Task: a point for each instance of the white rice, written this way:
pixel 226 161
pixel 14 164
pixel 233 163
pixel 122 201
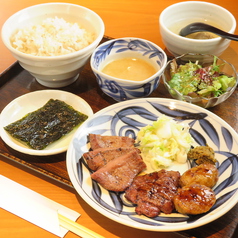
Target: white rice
pixel 53 37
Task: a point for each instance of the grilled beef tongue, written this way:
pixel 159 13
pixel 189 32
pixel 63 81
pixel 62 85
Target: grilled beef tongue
pixel 118 174
pixel 100 157
pixel 98 141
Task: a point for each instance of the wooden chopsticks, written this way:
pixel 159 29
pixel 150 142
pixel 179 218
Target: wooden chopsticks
pixel 77 228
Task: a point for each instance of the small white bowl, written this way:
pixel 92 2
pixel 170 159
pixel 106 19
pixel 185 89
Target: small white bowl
pixel 54 71
pixel 176 16
pixel 123 89
pixel 30 102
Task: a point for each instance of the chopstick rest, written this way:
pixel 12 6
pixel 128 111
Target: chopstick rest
pixel 40 210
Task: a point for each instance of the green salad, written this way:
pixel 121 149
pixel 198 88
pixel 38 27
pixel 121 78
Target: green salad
pixel 191 79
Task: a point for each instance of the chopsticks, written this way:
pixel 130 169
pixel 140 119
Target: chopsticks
pixel 77 228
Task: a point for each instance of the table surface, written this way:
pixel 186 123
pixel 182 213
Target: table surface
pixel 122 18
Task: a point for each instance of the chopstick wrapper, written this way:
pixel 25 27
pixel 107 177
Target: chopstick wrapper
pixel 33 207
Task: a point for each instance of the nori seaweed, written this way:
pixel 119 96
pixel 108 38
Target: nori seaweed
pixel 46 125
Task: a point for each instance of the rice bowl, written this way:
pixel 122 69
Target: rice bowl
pixel 54 71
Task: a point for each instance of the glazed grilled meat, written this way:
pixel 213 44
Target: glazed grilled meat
pixel 196 195
pixel 96 159
pixel 194 199
pixel 119 173
pixel 205 174
pixel 153 193
pixel 98 141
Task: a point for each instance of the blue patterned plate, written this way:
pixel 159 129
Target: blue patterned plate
pixel 125 119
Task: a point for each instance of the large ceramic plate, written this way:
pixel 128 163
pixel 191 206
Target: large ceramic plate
pixel 29 102
pixel 125 119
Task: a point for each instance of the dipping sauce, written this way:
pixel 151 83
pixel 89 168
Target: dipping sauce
pixel 134 69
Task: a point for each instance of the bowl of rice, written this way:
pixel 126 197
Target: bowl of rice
pixel 53 41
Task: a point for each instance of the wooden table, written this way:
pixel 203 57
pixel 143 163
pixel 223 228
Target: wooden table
pixel 122 18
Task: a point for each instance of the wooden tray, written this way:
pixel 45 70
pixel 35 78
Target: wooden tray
pixel 15 82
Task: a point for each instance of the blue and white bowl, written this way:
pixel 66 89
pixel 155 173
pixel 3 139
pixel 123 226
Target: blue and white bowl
pixel 122 89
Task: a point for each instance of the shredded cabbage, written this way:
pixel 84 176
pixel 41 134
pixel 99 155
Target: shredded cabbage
pixel 164 141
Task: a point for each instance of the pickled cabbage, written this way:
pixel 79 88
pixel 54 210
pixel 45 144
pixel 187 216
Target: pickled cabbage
pixel 164 142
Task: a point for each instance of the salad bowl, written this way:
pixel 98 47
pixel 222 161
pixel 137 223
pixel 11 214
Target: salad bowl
pixel 209 91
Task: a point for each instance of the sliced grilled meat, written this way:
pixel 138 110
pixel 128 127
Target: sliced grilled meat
pixel 153 193
pixel 100 157
pixel 99 141
pixel 118 174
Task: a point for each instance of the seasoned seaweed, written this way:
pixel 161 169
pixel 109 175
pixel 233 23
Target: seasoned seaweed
pixel 46 125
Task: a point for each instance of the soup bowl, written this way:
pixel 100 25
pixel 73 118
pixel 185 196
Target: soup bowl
pixel 173 18
pixel 121 89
